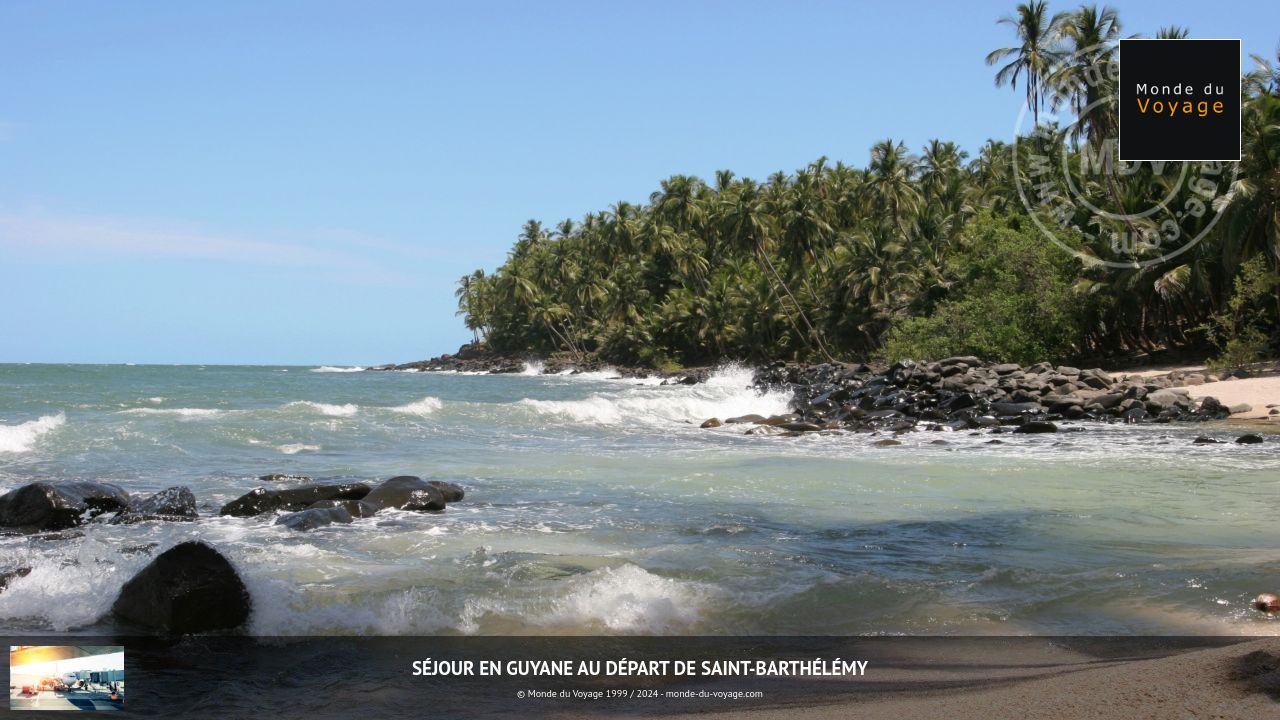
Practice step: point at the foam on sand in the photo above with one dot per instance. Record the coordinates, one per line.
(21, 437)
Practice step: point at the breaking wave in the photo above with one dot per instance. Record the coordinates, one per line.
(21, 437)
(181, 412)
(326, 408)
(423, 407)
(332, 369)
(728, 392)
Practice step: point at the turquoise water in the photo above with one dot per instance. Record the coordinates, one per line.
(597, 505)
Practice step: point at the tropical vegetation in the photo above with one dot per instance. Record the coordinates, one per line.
(925, 254)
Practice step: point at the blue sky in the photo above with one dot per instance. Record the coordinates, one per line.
(302, 182)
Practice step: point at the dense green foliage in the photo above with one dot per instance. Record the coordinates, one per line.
(915, 255)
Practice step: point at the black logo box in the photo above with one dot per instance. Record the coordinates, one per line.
(1179, 63)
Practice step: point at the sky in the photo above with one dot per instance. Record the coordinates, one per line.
(303, 182)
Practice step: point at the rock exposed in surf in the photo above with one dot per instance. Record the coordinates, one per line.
(711, 423)
(1036, 426)
(173, 504)
(315, 517)
(1267, 602)
(9, 574)
(1250, 439)
(58, 505)
(262, 500)
(452, 492)
(752, 418)
(189, 588)
(357, 508)
(283, 477)
(406, 492)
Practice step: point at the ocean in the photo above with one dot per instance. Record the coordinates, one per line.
(596, 505)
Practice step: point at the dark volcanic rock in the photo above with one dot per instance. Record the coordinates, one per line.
(1036, 426)
(11, 573)
(1250, 439)
(356, 508)
(189, 588)
(1205, 440)
(283, 477)
(170, 504)
(451, 491)
(406, 492)
(57, 505)
(262, 500)
(315, 517)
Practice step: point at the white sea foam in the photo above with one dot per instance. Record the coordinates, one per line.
(295, 448)
(181, 412)
(533, 367)
(156, 399)
(728, 392)
(332, 369)
(423, 407)
(21, 437)
(629, 599)
(326, 408)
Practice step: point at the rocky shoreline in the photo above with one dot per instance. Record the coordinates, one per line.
(473, 358)
(965, 393)
(191, 587)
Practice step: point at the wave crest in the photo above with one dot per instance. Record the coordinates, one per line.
(21, 437)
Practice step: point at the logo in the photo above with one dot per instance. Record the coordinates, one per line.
(1104, 210)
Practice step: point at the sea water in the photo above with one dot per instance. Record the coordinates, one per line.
(596, 505)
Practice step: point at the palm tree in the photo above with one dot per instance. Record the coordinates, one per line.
(1035, 54)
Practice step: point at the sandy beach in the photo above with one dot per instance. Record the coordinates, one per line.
(1057, 681)
(1262, 394)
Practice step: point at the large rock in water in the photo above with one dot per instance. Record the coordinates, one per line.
(58, 505)
(451, 492)
(263, 500)
(406, 492)
(171, 504)
(189, 588)
(315, 517)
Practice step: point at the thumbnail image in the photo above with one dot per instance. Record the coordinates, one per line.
(66, 677)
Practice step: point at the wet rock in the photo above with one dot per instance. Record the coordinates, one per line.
(711, 423)
(1249, 439)
(1036, 426)
(57, 505)
(1240, 409)
(1267, 602)
(1005, 408)
(356, 508)
(189, 588)
(1204, 440)
(143, 549)
(452, 491)
(175, 504)
(315, 517)
(800, 427)
(262, 500)
(406, 492)
(9, 574)
(752, 418)
(283, 477)
(887, 442)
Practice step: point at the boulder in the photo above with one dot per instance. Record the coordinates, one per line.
(283, 477)
(1240, 408)
(8, 574)
(58, 505)
(315, 517)
(1267, 602)
(711, 423)
(1036, 427)
(1250, 439)
(452, 492)
(752, 418)
(406, 492)
(262, 500)
(357, 508)
(1010, 408)
(887, 442)
(1204, 440)
(189, 588)
(171, 504)
(800, 426)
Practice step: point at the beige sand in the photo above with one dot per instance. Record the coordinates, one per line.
(1257, 392)
(1237, 681)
